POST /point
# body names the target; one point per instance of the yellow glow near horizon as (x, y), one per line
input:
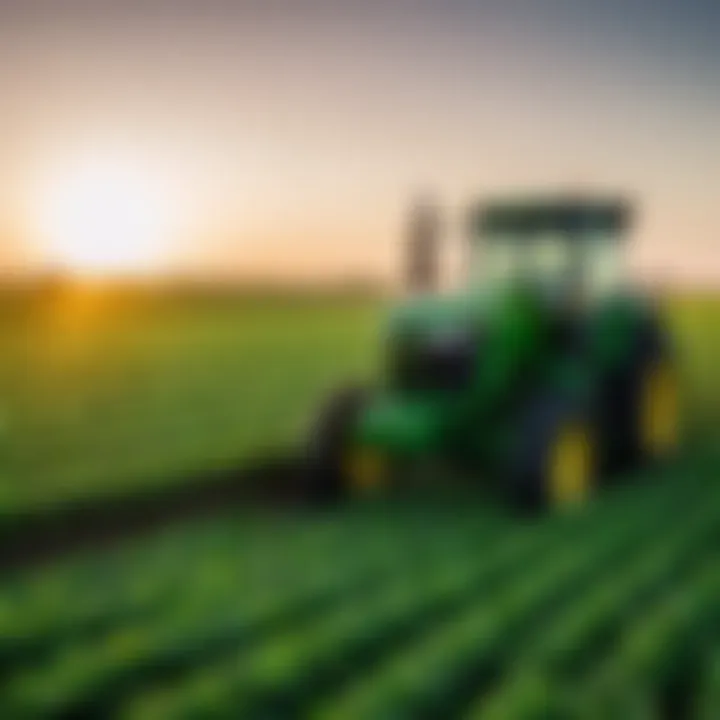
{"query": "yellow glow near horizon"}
(104, 216)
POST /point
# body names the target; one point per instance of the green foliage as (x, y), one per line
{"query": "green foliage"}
(104, 395)
(372, 612)
(118, 395)
(382, 611)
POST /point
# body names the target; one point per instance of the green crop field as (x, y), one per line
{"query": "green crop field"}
(102, 395)
(111, 395)
(386, 610)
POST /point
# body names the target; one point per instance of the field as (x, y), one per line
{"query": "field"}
(107, 394)
(385, 612)
(389, 610)
(115, 394)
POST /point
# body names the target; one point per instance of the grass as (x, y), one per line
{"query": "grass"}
(106, 394)
(111, 393)
(378, 611)
(364, 614)
(694, 321)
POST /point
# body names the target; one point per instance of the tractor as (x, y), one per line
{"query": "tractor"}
(545, 376)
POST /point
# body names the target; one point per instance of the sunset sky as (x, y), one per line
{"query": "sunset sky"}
(287, 138)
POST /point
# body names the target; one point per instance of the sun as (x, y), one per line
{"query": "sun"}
(104, 216)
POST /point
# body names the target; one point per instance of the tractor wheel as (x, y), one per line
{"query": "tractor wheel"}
(654, 411)
(556, 465)
(333, 467)
(659, 410)
(643, 424)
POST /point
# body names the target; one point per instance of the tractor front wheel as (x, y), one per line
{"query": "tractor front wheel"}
(334, 467)
(556, 462)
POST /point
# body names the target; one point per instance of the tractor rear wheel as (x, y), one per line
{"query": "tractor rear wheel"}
(334, 467)
(557, 459)
(656, 411)
(642, 418)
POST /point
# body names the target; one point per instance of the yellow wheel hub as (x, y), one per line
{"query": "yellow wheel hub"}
(366, 470)
(570, 466)
(659, 411)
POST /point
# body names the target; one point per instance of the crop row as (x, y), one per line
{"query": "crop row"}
(215, 560)
(368, 613)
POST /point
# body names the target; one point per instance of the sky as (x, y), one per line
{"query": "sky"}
(288, 138)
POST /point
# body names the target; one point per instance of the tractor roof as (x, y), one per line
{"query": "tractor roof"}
(559, 214)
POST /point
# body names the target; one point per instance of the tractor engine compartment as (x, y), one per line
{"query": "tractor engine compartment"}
(434, 361)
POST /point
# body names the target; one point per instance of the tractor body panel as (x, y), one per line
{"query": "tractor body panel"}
(517, 352)
(431, 404)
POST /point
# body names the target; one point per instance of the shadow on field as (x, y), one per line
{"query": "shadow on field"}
(265, 484)
(36, 537)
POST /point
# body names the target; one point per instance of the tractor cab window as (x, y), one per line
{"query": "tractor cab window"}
(603, 266)
(549, 257)
(566, 248)
(496, 259)
(585, 266)
(544, 261)
(548, 261)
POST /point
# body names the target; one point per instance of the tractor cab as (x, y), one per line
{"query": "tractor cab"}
(566, 249)
(535, 266)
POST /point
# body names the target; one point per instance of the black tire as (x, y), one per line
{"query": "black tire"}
(544, 419)
(622, 400)
(324, 480)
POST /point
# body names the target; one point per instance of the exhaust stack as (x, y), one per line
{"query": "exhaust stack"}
(422, 270)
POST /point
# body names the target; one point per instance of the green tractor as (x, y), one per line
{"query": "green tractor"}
(546, 374)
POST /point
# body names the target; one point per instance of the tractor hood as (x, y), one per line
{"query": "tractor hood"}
(414, 420)
(426, 314)
(443, 353)
(403, 425)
